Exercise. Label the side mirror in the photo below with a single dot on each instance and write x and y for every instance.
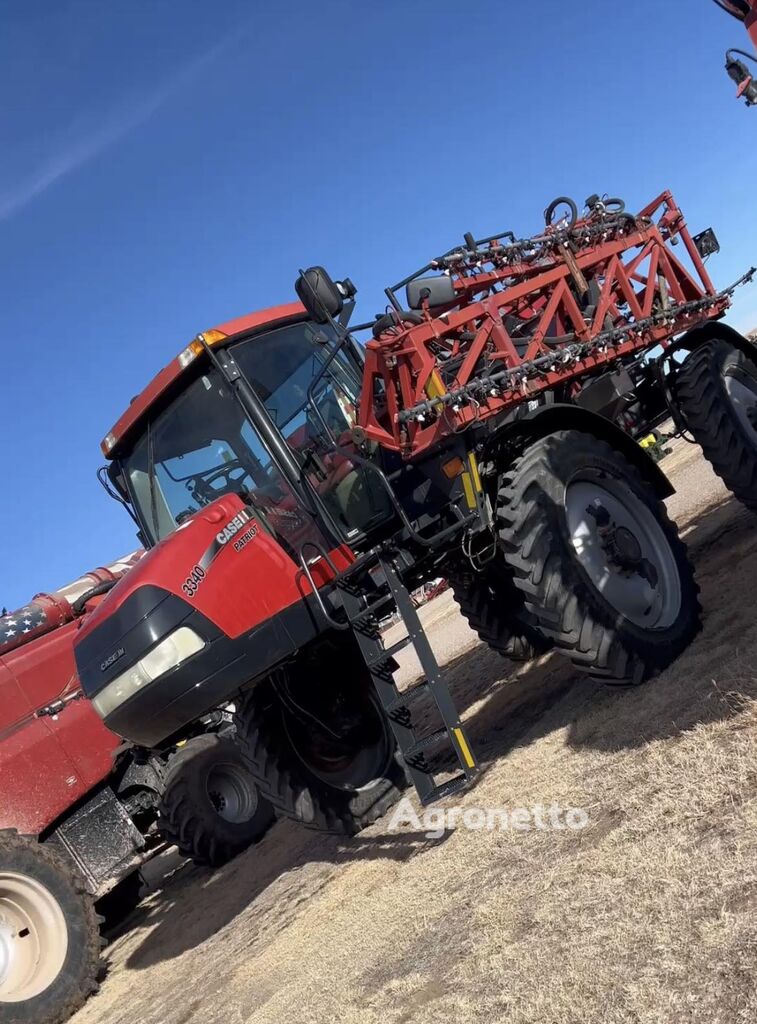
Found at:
(322, 298)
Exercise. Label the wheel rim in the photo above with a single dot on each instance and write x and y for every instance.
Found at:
(352, 763)
(741, 389)
(623, 550)
(33, 938)
(233, 793)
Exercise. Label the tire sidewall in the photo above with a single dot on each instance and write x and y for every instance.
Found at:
(316, 792)
(190, 769)
(494, 608)
(581, 452)
(296, 792)
(726, 359)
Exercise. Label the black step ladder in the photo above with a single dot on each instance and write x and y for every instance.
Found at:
(363, 613)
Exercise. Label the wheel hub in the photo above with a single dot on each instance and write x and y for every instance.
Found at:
(352, 761)
(218, 801)
(621, 544)
(626, 545)
(233, 793)
(33, 937)
(623, 549)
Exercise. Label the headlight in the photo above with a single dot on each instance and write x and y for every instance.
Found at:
(169, 653)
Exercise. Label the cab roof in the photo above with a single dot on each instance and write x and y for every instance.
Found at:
(165, 379)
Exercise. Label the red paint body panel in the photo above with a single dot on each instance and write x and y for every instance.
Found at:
(46, 612)
(751, 24)
(46, 764)
(261, 318)
(736, 8)
(163, 380)
(49, 763)
(224, 596)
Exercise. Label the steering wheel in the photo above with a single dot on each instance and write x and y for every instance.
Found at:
(201, 486)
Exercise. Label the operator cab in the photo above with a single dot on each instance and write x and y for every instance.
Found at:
(205, 441)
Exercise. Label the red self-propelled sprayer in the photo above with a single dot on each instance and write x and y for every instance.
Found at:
(294, 486)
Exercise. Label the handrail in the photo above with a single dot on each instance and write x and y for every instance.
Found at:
(316, 592)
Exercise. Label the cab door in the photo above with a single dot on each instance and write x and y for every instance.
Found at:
(312, 400)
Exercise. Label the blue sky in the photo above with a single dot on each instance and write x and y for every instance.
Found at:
(168, 166)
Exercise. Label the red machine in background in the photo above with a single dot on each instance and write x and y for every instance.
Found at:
(81, 811)
(47, 731)
(746, 11)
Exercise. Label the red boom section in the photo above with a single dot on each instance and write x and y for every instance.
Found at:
(744, 10)
(528, 315)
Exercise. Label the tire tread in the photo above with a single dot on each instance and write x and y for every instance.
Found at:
(555, 591)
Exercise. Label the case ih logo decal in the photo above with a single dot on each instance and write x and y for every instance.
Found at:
(112, 659)
(233, 527)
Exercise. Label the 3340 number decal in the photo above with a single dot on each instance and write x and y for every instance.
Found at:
(191, 584)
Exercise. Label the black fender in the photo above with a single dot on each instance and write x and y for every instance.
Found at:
(706, 332)
(562, 416)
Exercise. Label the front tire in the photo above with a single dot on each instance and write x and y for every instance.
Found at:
(211, 808)
(319, 744)
(49, 935)
(596, 558)
(716, 389)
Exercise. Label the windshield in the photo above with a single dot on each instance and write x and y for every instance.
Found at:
(203, 447)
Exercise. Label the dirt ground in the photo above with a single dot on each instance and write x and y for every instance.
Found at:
(646, 916)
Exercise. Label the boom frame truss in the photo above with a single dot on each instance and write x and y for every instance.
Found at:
(526, 315)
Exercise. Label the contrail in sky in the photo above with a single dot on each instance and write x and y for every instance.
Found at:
(60, 164)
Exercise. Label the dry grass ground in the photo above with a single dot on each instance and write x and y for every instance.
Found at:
(647, 916)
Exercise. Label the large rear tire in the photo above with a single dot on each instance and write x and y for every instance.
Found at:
(597, 560)
(494, 608)
(716, 388)
(211, 808)
(49, 935)
(319, 744)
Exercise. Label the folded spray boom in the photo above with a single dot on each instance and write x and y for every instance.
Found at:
(498, 321)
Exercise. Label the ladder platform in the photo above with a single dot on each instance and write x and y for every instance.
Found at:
(362, 616)
(408, 697)
(389, 652)
(450, 788)
(434, 739)
(369, 612)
